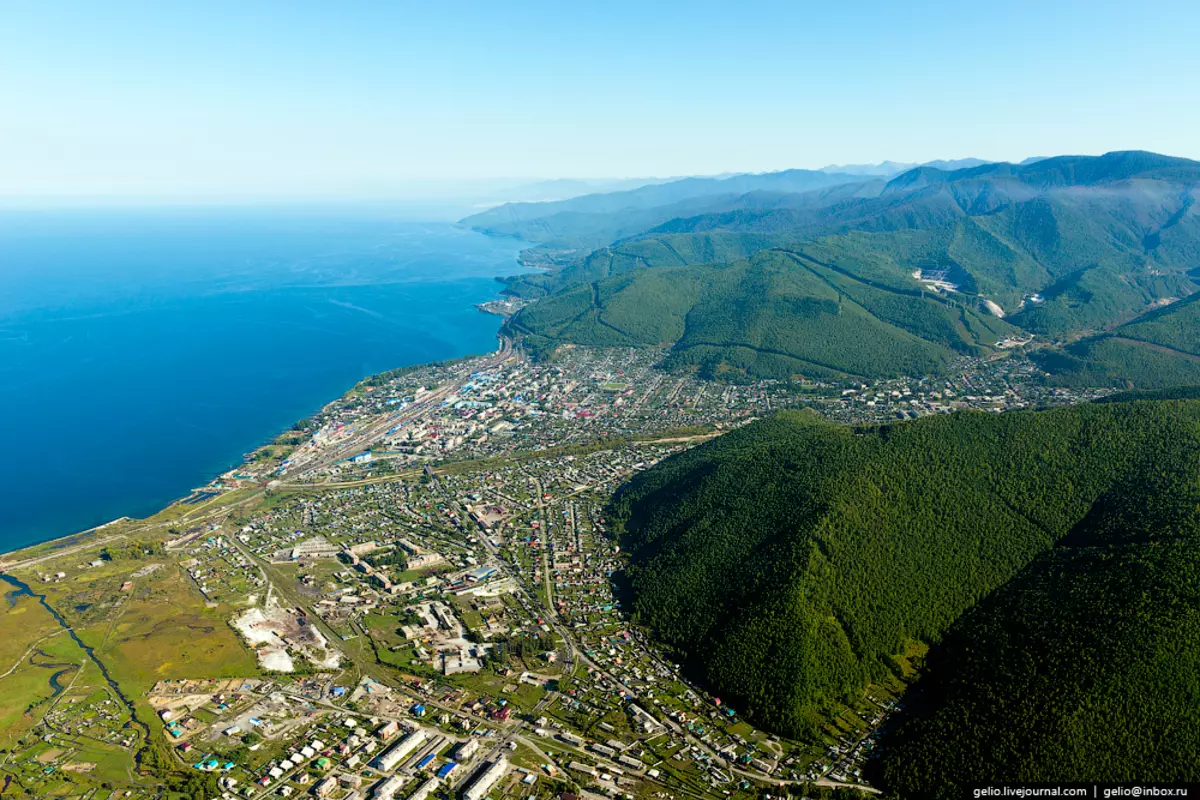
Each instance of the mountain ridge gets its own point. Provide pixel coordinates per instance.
(1063, 247)
(791, 562)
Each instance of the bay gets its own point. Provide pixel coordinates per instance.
(142, 352)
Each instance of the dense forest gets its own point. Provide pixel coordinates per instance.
(1064, 248)
(791, 561)
(778, 313)
(1159, 349)
(1085, 664)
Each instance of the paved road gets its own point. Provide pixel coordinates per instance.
(575, 653)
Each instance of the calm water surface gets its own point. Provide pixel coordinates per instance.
(143, 352)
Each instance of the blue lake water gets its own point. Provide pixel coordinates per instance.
(143, 352)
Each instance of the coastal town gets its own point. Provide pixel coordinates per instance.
(599, 401)
(506, 405)
(415, 593)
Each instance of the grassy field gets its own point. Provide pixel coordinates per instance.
(166, 631)
(60, 745)
(158, 627)
(25, 687)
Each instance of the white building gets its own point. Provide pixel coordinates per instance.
(465, 750)
(425, 789)
(387, 789)
(486, 780)
(388, 759)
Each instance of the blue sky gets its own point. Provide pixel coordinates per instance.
(377, 98)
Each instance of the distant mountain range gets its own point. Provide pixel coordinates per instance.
(566, 188)
(594, 220)
(923, 263)
(888, 169)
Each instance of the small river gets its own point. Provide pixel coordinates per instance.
(22, 589)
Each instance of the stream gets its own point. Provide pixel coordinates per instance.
(22, 589)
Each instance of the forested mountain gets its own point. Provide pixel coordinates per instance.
(1062, 247)
(713, 247)
(1049, 556)
(1159, 349)
(1083, 666)
(777, 313)
(1100, 240)
(595, 220)
(666, 246)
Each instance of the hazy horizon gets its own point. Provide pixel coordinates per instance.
(230, 101)
(449, 197)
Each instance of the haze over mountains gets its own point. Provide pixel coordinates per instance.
(565, 188)
(887, 169)
(741, 275)
(574, 221)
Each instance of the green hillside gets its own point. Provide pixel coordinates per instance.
(1098, 254)
(778, 313)
(1084, 665)
(1064, 246)
(789, 562)
(1159, 349)
(664, 251)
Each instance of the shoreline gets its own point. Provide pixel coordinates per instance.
(64, 541)
(67, 540)
(64, 538)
